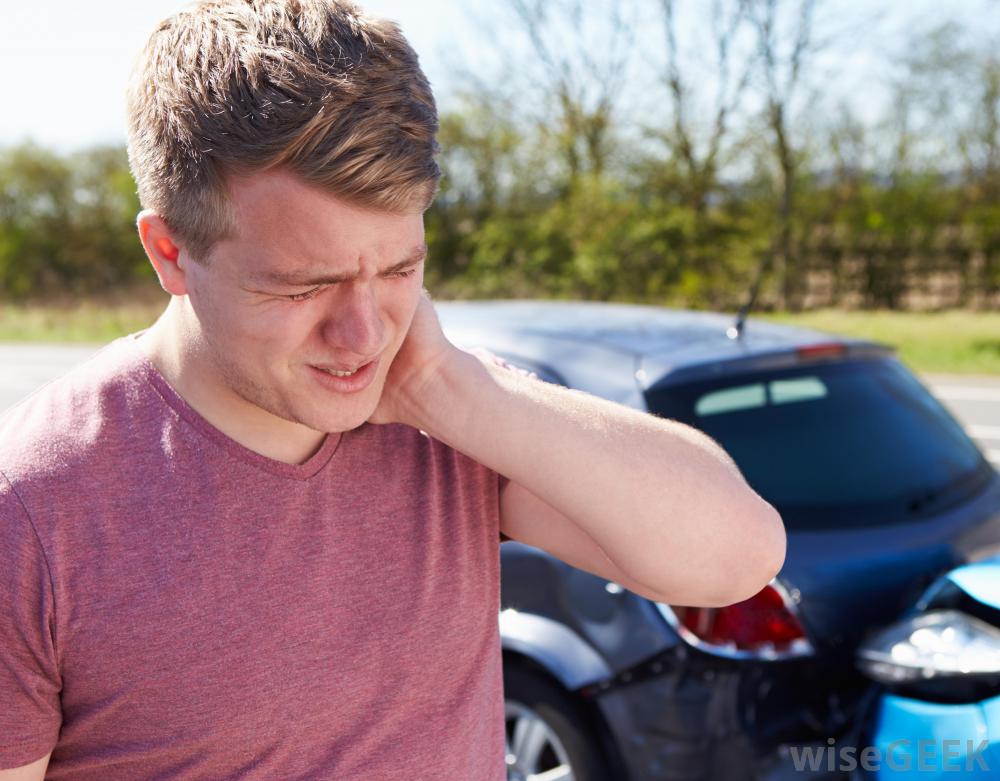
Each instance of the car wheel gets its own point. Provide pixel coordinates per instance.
(548, 738)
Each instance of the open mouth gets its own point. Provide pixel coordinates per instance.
(349, 380)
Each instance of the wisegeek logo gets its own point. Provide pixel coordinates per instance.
(941, 756)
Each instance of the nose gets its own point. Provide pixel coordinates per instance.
(353, 326)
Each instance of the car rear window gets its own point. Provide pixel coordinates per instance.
(833, 445)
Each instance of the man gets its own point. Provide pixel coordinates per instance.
(260, 539)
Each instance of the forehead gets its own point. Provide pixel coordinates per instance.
(282, 220)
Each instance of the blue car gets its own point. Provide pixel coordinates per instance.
(936, 712)
(881, 492)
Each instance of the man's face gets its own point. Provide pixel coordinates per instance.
(309, 284)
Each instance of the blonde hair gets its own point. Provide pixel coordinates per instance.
(234, 87)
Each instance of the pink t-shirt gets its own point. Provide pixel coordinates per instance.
(176, 606)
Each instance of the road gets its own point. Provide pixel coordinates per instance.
(974, 401)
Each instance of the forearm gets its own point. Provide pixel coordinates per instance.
(640, 486)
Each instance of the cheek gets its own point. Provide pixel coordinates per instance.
(219, 311)
(407, 298)
(398, 319)
(271, 319)
(396, 303)
(247, 332)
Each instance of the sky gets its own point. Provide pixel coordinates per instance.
(64, 63)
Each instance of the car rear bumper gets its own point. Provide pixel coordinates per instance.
(708, 720)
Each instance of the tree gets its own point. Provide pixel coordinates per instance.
(782, 63)
(563, 66)
(67, 223)
(696, 144)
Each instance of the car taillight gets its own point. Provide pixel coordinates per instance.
(821, 349)
(763, 626)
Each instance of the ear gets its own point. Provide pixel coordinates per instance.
(164, 252)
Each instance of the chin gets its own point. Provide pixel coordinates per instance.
(343, 420)
(343, 424)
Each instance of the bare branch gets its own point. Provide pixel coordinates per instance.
(802, 39)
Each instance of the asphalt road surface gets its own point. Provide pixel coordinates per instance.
(974, 401)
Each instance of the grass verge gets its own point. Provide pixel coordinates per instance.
(949, 342)
(95, 320)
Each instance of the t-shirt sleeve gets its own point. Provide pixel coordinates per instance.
(30, 682)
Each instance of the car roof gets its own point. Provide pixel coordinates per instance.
(678, 335)
(621, 350)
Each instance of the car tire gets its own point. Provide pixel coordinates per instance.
(546, 728)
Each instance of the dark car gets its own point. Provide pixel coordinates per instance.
(880, 490)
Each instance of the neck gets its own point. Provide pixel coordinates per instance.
(175, 345)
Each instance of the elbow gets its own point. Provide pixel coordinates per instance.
(753, 561)
(768, 544)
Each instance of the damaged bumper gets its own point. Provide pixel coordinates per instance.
(684, 717)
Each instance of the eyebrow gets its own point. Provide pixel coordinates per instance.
(298, 279)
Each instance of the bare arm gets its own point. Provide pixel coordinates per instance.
(660, 500)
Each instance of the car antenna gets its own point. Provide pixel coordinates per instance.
(735, 331)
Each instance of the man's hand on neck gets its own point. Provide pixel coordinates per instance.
(422, 358)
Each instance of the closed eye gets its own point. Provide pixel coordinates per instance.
(313, 292)
(306, 295)
(401, 274)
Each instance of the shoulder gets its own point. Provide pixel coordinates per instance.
(395, 447)
(59, 427)
(412, 472)
(399, 441)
